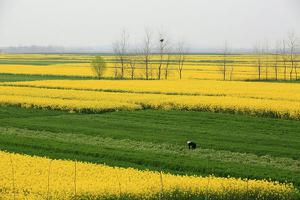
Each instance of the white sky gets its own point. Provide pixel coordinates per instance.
(201, 23)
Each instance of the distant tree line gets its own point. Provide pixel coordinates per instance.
(154, 57)
(282, 56)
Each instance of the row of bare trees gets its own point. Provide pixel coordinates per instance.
(159, 53)
(282, 58)
(156, 57)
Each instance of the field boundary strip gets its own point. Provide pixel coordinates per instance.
(147, 92)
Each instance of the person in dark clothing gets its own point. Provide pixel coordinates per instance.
(191, 145)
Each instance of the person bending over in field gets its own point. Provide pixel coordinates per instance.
(192, 145)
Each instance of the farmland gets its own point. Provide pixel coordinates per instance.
(273, 99)
(205, 66)
(132, 183)
(51, 105)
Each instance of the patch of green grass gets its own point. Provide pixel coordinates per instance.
(25, 77)
(235, 145)
(218, 155)
(4, 77)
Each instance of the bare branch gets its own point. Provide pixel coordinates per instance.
(120, 48)
(163, 43)
(146, 51)
(181, 56)
(292, 44)
(258, 52)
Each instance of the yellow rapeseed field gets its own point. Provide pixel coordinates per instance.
(61, 69)
(33, 178)
(272, 99)
(239, 67)
(258, 90)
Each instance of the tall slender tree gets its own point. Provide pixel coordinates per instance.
(225, 55)
(181, 57)
(133, 60)
(258, 55)
(266, 58)
(146, 52)
(292, 43)
(163, 43)
(276, 59)
(168, 61)
(120, 48)
(283, 53)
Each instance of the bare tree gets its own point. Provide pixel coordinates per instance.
(181, 56)
(116, 74)
(98, 65)
(276, 61)
(231, 71)
(163, 43)
(266, 58)
(120, 48)
(146, 51)
(168, 60)
(283, 53)
(292, 40)
(296, 67)
(258, 55)
(133, 59)
(225, 55)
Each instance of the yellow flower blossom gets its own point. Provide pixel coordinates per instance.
(272, 99)
(34, 178)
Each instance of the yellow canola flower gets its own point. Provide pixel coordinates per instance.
(239, 67)
(259, 90)
(34, 178)
(272, 99)
(59, 70)
(79, 105)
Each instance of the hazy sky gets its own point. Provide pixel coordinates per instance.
(201, 23)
